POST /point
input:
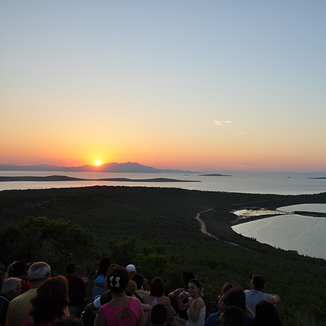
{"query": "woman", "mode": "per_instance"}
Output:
(266, 314)
(99, 280)
(196, 309)
(157, 296)
(50, 303)
(122, 309)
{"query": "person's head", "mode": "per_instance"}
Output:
(70, 269)
(19, 269)
(68, 321)
(103, 266)
(266, 314)
(131, 269)
(186, 277)
(235, 297)
(105, 297)
(227, 286)
(257, 282)
(159, 315)
(195, 288)
(157, 287)
(11, 287)
(231, 316)
(131, 288)
(51, 300)
(39, 272)
(138, 279)
(117, 280)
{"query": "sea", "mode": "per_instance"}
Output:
(306, 235)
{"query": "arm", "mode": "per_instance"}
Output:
(175, 293)
(100, 319)
(248, 311)
(273, 298)
(141, 321)
(194, 307)
(182, 306)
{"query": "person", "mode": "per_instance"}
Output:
(220, 300)
(183, 292)
(235, 296)
(11, 288)
(131, 269)
(231, 316)
(255, 294)
(196, 309)
(76, 292)
(19, 308)
(100, 276)
(266, 314)
(19, 269)
(143, 289)
(157, 296)
(50, 303)
(159, 315)
(122, 309)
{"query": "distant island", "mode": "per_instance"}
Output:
(215, 175)
(322, 178)
(65, 178)
(130, 167)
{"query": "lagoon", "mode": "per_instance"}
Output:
(304, 234)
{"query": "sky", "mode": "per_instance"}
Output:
(208, 85)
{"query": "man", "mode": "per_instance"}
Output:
(255, 295)
(11, 287)
(19, 308)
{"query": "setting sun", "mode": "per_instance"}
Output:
(98, 163)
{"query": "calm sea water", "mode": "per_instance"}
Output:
(306, 235)
(303, 234)
(245, 182)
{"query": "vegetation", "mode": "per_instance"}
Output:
(156, 229)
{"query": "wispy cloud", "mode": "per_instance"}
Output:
(222, 122)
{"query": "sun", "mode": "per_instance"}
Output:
(98, 163)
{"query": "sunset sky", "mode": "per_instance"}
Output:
(176, 84)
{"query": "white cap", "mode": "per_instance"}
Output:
(131, 268)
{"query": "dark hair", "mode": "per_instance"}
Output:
(19, 268)
(159, 314)
(231, 316)
(235, 297)
(258, 282)
(227, 286)
(50, 301)
(103, 266)
(266, 314)
(68, 321)
(138, 279)
(118, 279)
(70, 268)
(131, 288)
(187, 276)
(196, 282)
(105, 297)
(157, 287)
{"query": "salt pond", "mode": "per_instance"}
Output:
(304, 234)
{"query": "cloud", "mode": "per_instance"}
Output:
(222, 122)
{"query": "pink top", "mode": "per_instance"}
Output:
(111, 314)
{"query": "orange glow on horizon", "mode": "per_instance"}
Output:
(98, 163)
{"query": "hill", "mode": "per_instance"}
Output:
(156, 229)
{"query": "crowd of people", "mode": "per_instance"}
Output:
(122, 296)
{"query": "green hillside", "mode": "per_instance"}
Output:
(156, 229)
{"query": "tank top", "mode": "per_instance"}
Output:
(111, 314)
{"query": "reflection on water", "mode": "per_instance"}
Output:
(304, 234)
